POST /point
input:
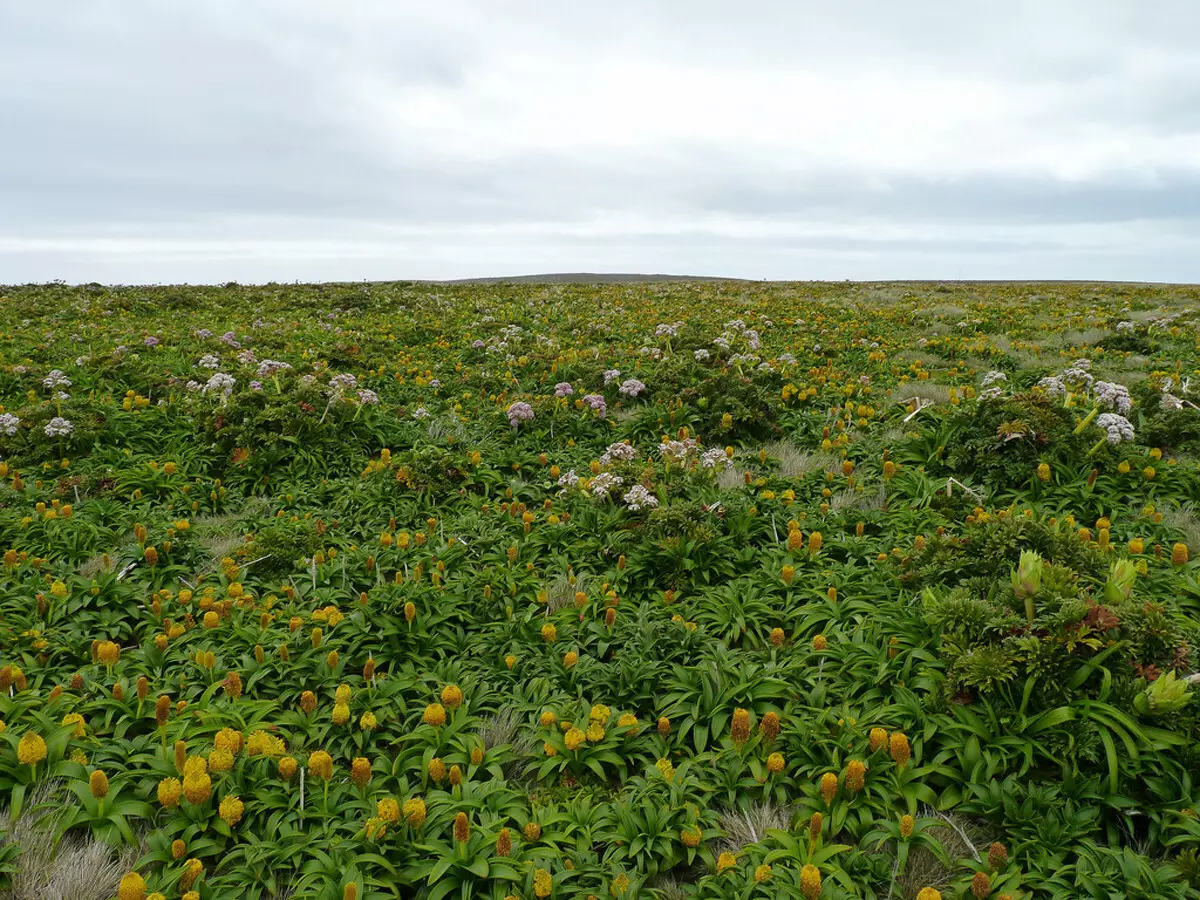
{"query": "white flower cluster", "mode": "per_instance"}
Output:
(59, 427)
(715, 458)
(734, 330)
(1054, 386)
(8, 424)
(1117, 428)
(220, 383)
(56, 379)
(209, 361)
(269, 367)
(604, 484)
(519, 412)
(1114, 396)
(993, 377)
(620, 452)
(668, 330)
(677, 451)
(638, 498)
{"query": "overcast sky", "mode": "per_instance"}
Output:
(257, 140)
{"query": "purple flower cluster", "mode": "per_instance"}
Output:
(596, 403)
(519, 412)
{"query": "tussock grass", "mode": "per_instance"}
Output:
(75, 868)
(922, 390)
(1185, 520)
(795, 462)
(731, 479)
(749, 826)
(961, 837)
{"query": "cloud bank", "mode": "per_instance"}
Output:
(300, 140)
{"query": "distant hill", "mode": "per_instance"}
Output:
(586, 278)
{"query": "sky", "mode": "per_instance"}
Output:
(302, 140)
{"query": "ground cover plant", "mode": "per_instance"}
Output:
(719, 590)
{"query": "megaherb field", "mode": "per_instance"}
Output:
(662, 590)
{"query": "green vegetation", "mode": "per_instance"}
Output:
(715, 590)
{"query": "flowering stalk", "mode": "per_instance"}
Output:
(1087, 420)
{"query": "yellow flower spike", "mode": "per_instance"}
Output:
(414, 812)
(435, 715)
(230, 810)
(462, 828)
(98, 784)
(810, 882)
(829, 787)
(31, 749)
(739, 730)
(132, 887)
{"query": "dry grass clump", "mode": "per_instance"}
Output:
(961, 837)
(795, 462)
(925, 391)
(74, 868)
(742, 827)
(1186, 520)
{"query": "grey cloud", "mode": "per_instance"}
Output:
(210, 124)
